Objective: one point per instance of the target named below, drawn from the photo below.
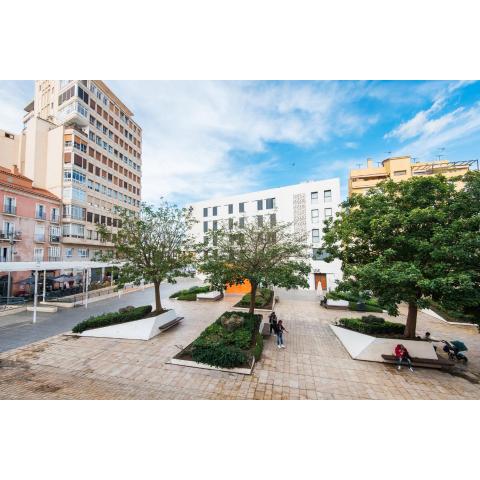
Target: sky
(204, 139)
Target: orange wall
(244, 288)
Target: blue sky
(204, 139)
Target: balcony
(40, 215)
(55, 218)
(74, 114)
(39, 237)
(54, 238)
(54, 259)
(9, 235)
(10, 209)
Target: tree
(264, 255)
(412, 241)
(154, 245)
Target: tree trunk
(411, 325)
(253, 295)
(158, 302)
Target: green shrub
(113, 318)
(353, 298)
(218, 347)
(189, 297)
(363, 307)
(372, 325)
(262, 298)
(195, 289)
(257, 351)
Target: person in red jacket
(402, 355)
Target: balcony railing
(41, 215)
(54, 259)
(55, 218)
(55, 238)
(39, 237)
(10, 209)
(9, 235)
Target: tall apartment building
(79, 142)
(305, 206)
(402, 168)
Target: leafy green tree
(154, 245)
(412, 241)
(265, 255)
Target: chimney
(15, 170)
(369, 163)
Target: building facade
(305, 206)
(79, 143)
(29, 225)
(402, 168)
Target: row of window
(315, 216)
(327, 196)
(10, 208)
(54, 253)
(272, 218)
(268, 203)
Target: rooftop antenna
(389, 153)
(359, 165)
(414, 159)
(440, 155)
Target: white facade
(305, 206)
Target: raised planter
(366, 347)
(191, 363)
(257, 310)
(210, 296)
(143, 329)
(430, 312)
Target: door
(322, 278)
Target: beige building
(80, 143)
(402, 168)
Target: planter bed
(190, 294)
(244, 305)
(230, 344)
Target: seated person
(402, 355)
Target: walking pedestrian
(280, 330)
(273, 322)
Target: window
(205, 226)
(74, 176)
(83, 95)
(214, 211)
(230, 208)
(319, 254)
(73, 230)
(205, 212)
(315, 216)
(241, 222)
(215, 224)
(68, 252)
(9, 205)
(40, 212)
(74, 211)
(328, 213)
(314, 197)
(75, 194)
(241, 207)
(315, 235)
(273, 219)
(66, 95)
(230, 223)
(53, 252)
(269, 203)
(83, 252)
(260, 220)
(398, 173)
(327, 195)
(38, 254)
(259, 204)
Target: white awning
(25, 266)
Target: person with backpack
(272, 319)
(280, 330)
(402, 355)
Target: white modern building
(305, 205)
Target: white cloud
(193, 130)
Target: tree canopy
(411, 241)
(154, 245)
(265, 255)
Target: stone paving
(314, 365)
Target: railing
(78, 296)
(10, 209)
(9, 235)
(12, 300)
(39, 237)
(54, 259)
(41, 215)
(55, 238)
(55, 218)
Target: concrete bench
(422, 362)
(210, 296)
(265, 330)
(337, 304)
(170, 323)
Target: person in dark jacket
(280, 330)
(402, 355)
(273, 322)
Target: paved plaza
(314, 364)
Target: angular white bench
(340, 304)
(210, 296)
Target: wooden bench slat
(421, 361)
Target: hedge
(114, 318)
(190, 297)
(372, 325)
(363, 307)
(218, 347)
(352, 298)
(262, 298)
(189, 291)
